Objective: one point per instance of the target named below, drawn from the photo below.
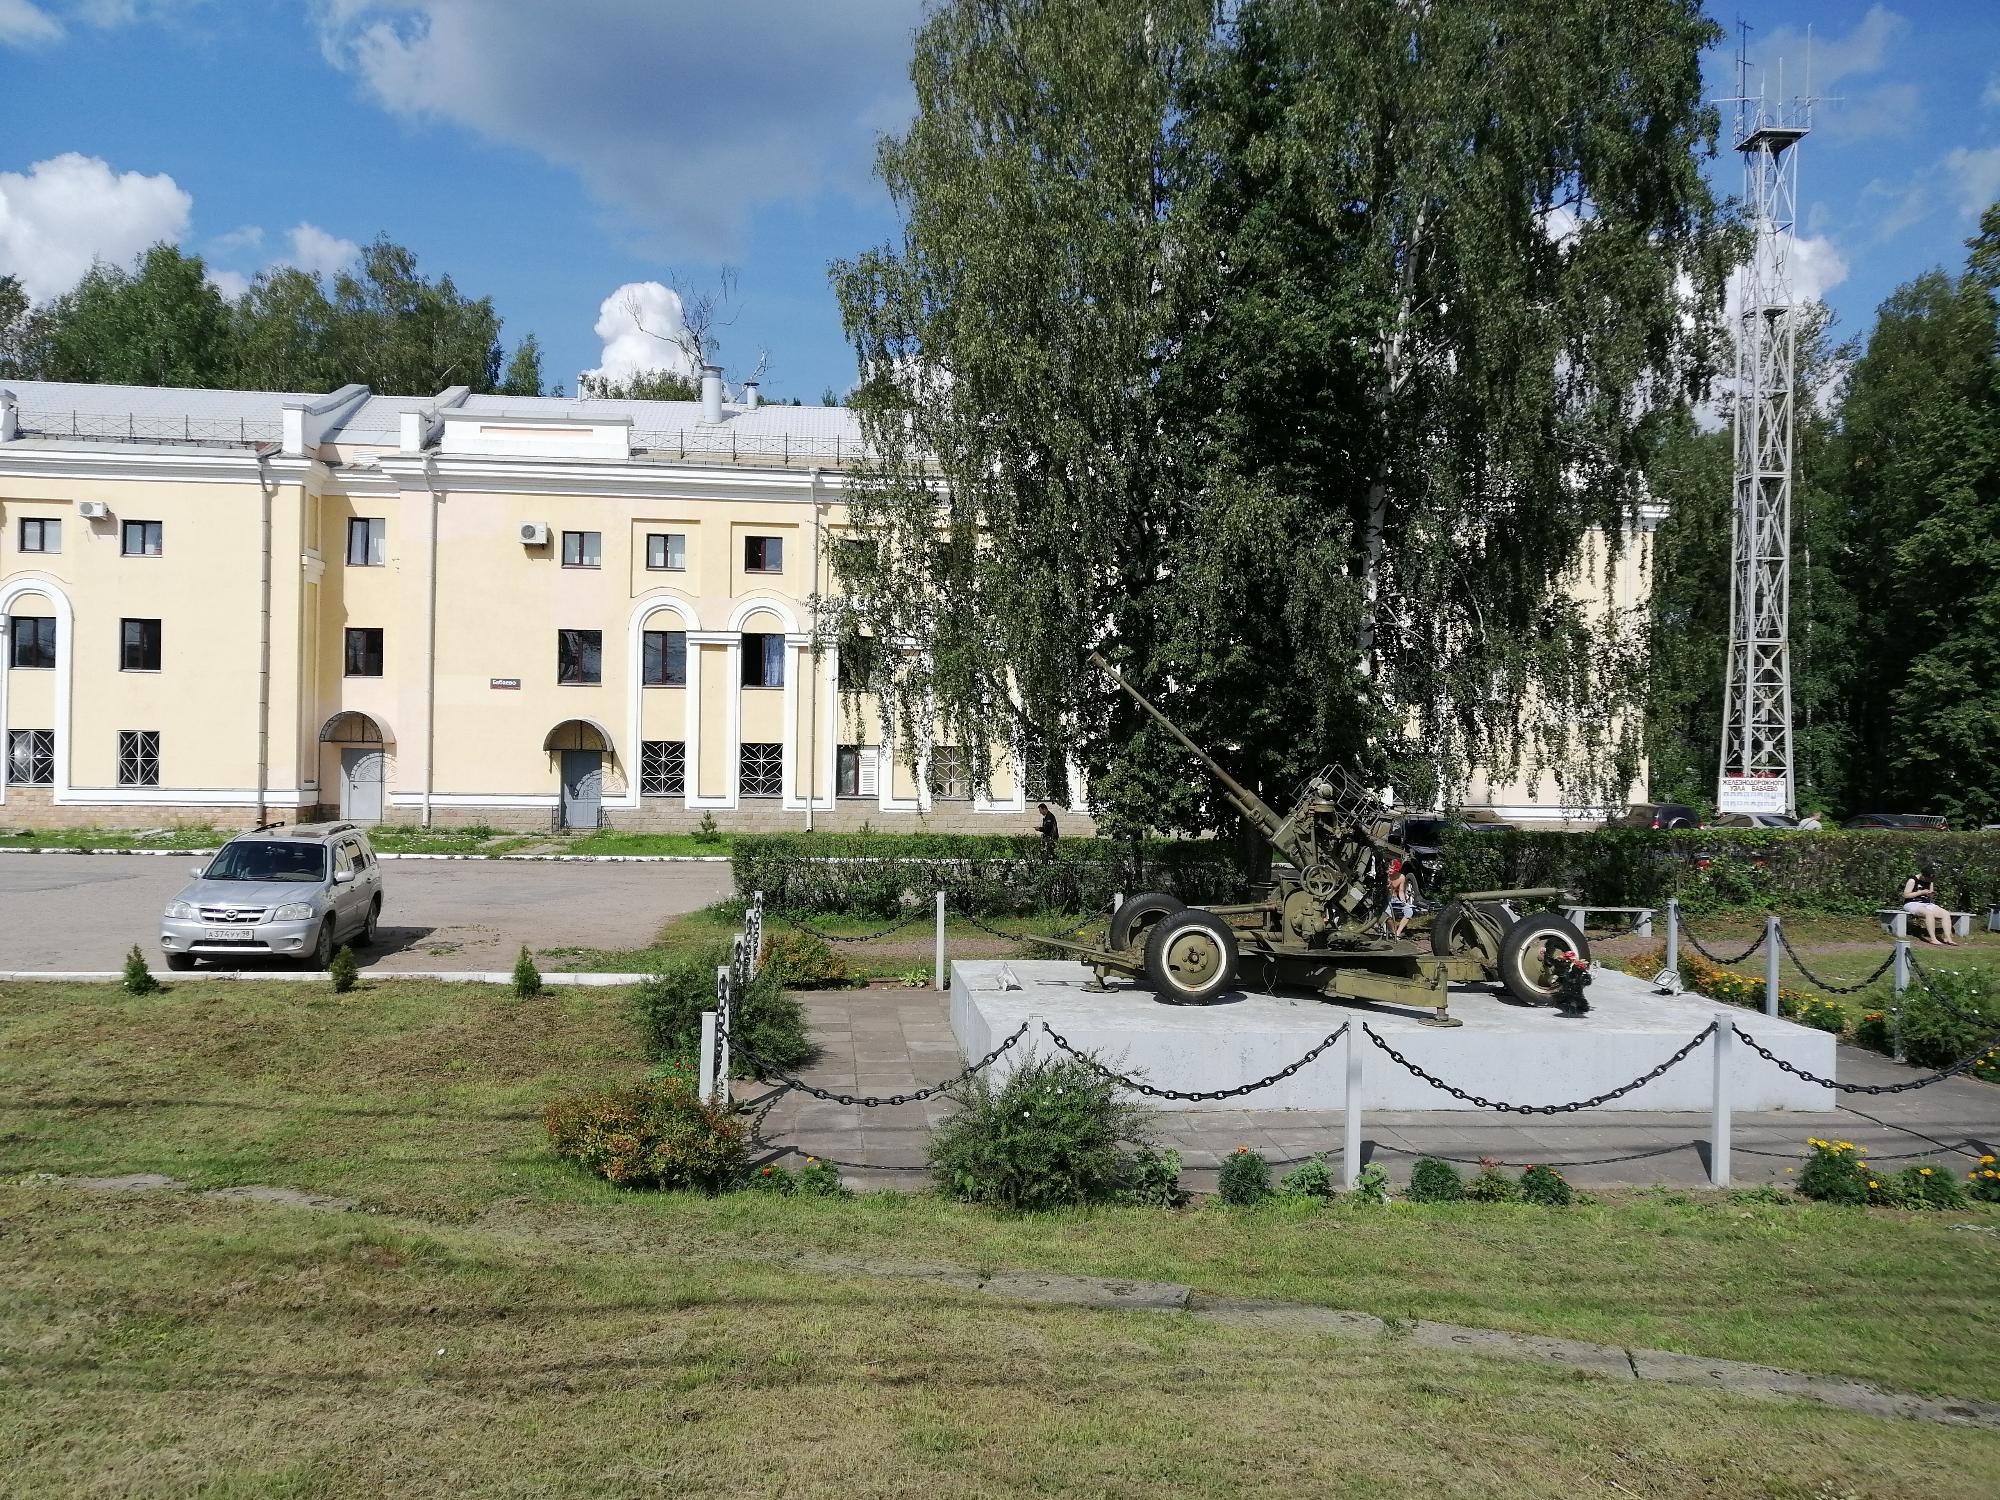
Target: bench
(1580, 916)
(1898, 921)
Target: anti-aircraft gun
(1322, 922)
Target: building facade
(235, 607)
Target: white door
(361, 776)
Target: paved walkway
(890, 1041)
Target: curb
(581, 859)
(314, 976)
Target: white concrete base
(1509, 1052)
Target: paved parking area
(84, 911)
(894, 1041)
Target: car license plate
(225, 935)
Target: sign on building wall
(1753, 794)
(508, 684)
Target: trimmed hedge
(876, 874)
(1832, 873)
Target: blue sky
(549, 154)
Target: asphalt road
(84, 911)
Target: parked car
(1755, 820)
(1424, 838)
(1910, 822)
(1657, 815)
(278, 892)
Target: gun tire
(1137, 914)
(1190, 957)
(1528, 947)
(1453, 934)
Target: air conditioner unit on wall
(534, 533)
(92, 510)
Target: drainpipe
(812, 709)
(267, 487)
(430, 642)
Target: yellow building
(237, 607)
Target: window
(763, 660)
(662, 768)
(583, 549)
(34, 642)
(860, 662)
(763, 554)
(31, 757)
(854, 771)
(343, 859)
(853, 556)
(580, 656)
(949, 777)
(40, 535)
(761, 771)
(667, 549)
(364, 653)
(666, 663)
(277, 860)
(367, 541)
(139, 650)
(141, 538)
(138, 757)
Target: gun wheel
(1190, 957)
(1137, 914)
(1530, 952)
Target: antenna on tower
(1756, 769)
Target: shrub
(771, 1178)
(804, 961)
(1810, 1010)
(1311, 1178)
(769, 1025)
(1545, 1185)
(821, 1179)
(656, 1134)
(1922, 1186)
(1834, 1173)
(1156, 1179)
(708, 831)
(1983, 1181)
(1434, 1181)
(343, 971)
(138, 978)
(1491, 1185)
(1054, 1133)
(1935, 1038)
(527, 978)
(1245, 1179)
(1872, 1031)
(1371, 1184)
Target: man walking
(1046, 827)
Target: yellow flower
(1874, 1184)
(1924, 1171)
(1986, 1161)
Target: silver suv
(286, 892)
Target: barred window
(950, 776)
(31, 757)
(662, 768)
(580, 656)
(666, 661)
(138, 757)
(34, 641)
(761, 770)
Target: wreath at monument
(1572, 975)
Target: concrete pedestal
(1515, 1053)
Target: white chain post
(1771, 964)
(753, 929)
(1718, 1125)
(939, 970)
(1674, 933)
(725, 984)
(1350, 1113)
(1902, 982)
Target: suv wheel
(180, 963)
(322, 952)
(365, 938)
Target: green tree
(1920, 470)
(641, 385)
(161, 323)
(15, 325)
(1290, 360)
(282, 334)
(524, 370)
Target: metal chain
(1937, 994)
(1717, 958)
(872, 1101)
(1979, 1055)
(1544, 1109)
(1826, 984)
(916, 914)
(1139, 1086)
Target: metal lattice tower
(1757, 696)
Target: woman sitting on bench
(1920, 900)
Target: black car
(1424, 838)
(1908, 822)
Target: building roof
(378, 420)
(151, 401)
(769, 420)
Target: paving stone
(286, 1197)
(132, 1182)
(1851, 1395)
(1243, 1312)
(1086, 1291)
(1598, 1359)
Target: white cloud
(313, 249)
(1862, 51)
(232, 284)
(25, 24)
(639, 324)
(70, 210)
(682, 120)
(245, 237)
(1901, 204)
(1975, 178)
(1991, 98)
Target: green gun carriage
(1322, 922)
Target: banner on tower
(1753, 794)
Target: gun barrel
(1245, 801)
